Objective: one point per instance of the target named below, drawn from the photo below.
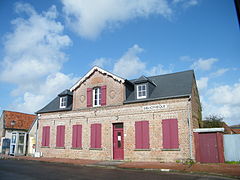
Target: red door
(208, 148)
(118, 142)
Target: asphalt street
(25, 170)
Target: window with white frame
(97, 96)
(63, 102)
(141, 91)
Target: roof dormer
(143, 87)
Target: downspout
(190, 128)
(36, 133)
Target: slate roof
(166, 86)
(53, 106)
(22, 121)
(160, 87)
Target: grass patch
(232, 162)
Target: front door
(13, 143)
(118, 141)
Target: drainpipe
(36, 133)
(190, 128)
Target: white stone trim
(95, 68)
(209, 130)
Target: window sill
(171, 149)
(59, 147)
(45, 146)
(95, 148)
(76, 148)
(142, 149)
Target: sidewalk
(232, 170)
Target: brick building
(105, 117)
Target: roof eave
(155, 99)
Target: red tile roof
(22, 120)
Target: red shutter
(145, 134)
(138, 135)
(79, 136)
(103, 95)
(98, 136)
(47, 135)
(93, 136)
(174, 133)
(58, 136)
(89, 97)
(74, 137)
(62, 137)
(166, 134)
(43, 136)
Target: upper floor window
(141, 91)
(63, 102)
(97, 96)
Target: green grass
(232, 162)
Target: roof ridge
(19, 112)
(164, 74)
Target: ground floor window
(142, 135)
(96, 136)
(60, 136)
(170, 134)
(77, 136)
(45, 135)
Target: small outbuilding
(13, 132)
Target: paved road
(25, 170)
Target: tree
(213, 121)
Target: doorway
(118, 141)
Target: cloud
(226, 94)
(129, 64)
(223, 100)
(159, 69)
(186, 59)
(101, 62)
(34, 100)
(204, 64)
(186, 3)
(202, 83)
(219, 72)
(34, 56)
(89, 18)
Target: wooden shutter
(60, 140)
(170, 134)
(62, 137)
(89, 97)
(47, 135)
(58, 136)
(79, 136)
(142, 135)
(138, 135)
(103, 95)
(145, 134)
(93, 136)
(174, 133)
(98, 136)
(74, 136)
(43, 136)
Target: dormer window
(141, 91)
(63, 102)
(96, 96)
